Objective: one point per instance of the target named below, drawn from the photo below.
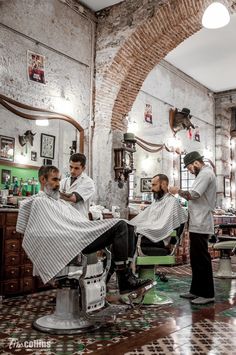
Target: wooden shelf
(17, 165)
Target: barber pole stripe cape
(55, 233)
(158, 220)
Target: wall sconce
(124, 163)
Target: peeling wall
(166, 87)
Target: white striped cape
(55, 233)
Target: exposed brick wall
(132, 38)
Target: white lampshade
(42, 122)
(215, 16)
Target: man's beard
(55, 194)
(159, 194)
(196, 171)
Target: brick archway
(171, 23)
(132, 38)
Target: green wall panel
(20, 173)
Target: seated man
(55, 233)
(164, 215)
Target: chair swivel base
(153, 297)
(52, 324)
(225, 266)
(68, 317)
(225, 270)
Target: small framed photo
(36, 67)
(227, 191)
(47, 147)
(145, 185)
(6, 176)
(34, 156)
(7, 148)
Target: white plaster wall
(65, 38)
(165, 88)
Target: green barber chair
(149, 255)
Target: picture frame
(47, 146)
(36, 67)
(33, 156)
(227, 191)
(145, 185)
(5, 176)
(7, 148)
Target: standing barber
(78, 188)
(202, 199)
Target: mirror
(52, 142)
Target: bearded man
(55, 233)
(201, 203)
(164, 215)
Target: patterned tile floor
(179, 328)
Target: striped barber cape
(158, 220)
(55, 233)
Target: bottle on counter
(7, 185)
(16, 188)
(33, 186)
(24, 189)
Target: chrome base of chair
(225, 269)
(67, 318)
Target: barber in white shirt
(78, 188)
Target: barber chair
(226, 244)
(149, 256)
(80, 302)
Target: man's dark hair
(162, 177)
(78, 158)
(45, 170)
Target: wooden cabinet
(16, 270)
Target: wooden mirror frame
(15, 106)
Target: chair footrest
(156, 260)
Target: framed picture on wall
(36, 67)
(5, 176)
(227, 192)
(34, 156)
(145, 184)
(47, 146)
(7, 147)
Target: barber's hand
(65, 195)
(174, 189)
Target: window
(186, 178)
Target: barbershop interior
(140, 88)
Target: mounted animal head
(28, 137)
(180, 120)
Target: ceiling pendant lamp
(215, 16)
